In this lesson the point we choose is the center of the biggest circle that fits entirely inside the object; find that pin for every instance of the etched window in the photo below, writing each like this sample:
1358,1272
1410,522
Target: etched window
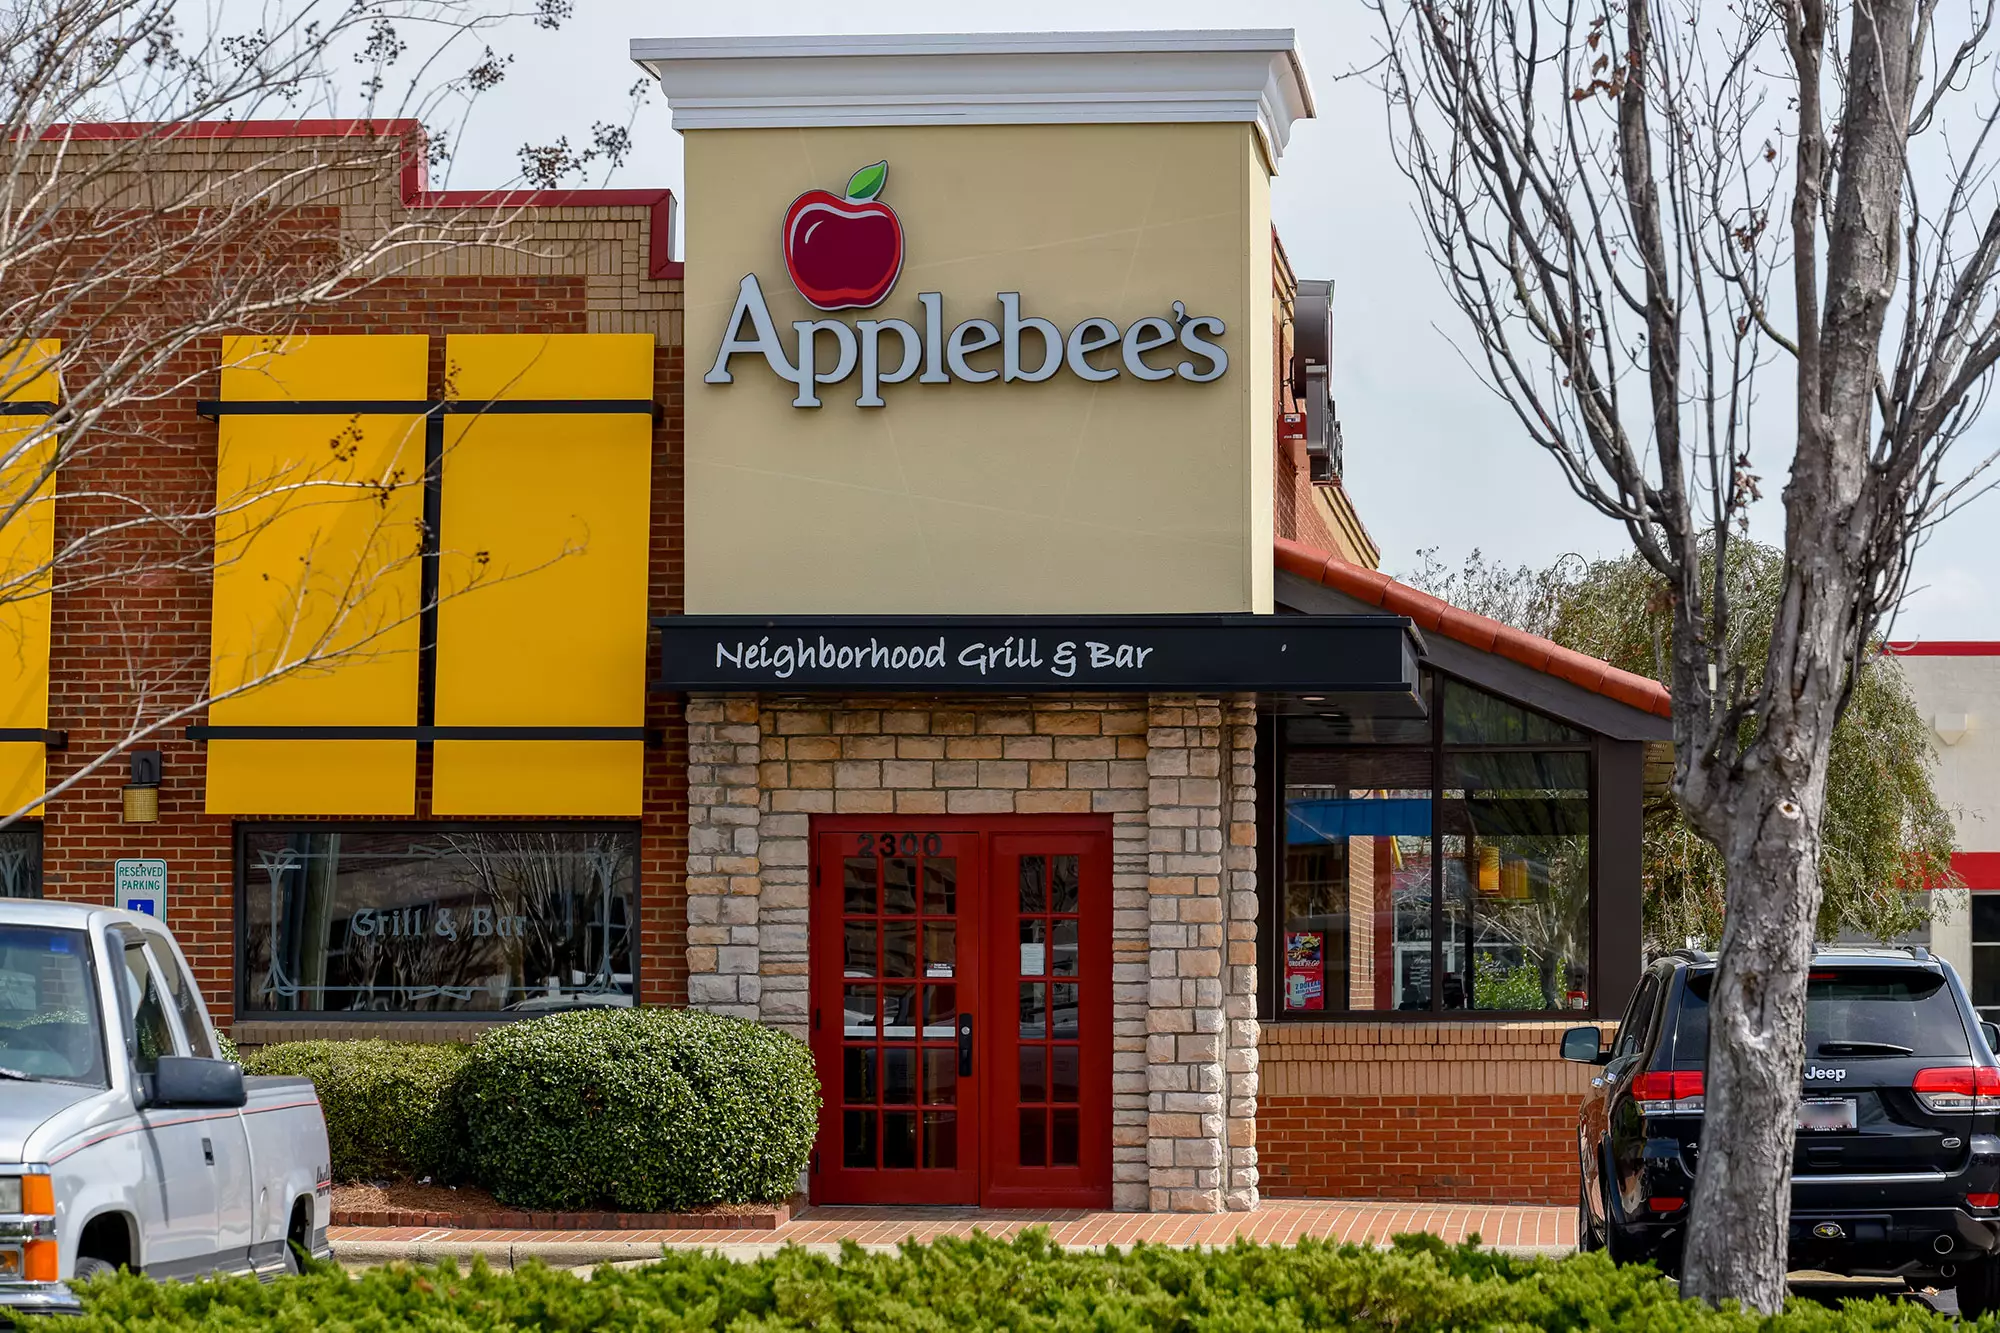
21,861
436,920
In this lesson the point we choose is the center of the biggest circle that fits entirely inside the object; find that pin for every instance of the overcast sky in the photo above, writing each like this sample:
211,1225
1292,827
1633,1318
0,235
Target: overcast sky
1433,460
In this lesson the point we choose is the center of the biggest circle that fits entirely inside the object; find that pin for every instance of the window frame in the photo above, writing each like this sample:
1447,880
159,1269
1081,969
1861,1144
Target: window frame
245,1013
173,967
120,938
1272,862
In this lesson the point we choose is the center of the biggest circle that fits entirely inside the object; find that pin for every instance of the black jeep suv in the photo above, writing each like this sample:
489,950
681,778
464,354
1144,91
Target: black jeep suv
1896,1168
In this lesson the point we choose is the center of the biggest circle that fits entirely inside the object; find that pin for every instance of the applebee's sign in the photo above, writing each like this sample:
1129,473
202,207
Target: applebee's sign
845,252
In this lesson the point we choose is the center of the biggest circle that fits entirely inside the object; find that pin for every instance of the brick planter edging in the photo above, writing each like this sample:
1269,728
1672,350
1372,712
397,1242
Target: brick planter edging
768,1219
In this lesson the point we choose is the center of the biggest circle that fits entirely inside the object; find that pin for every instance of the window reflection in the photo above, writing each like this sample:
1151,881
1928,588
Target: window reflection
1357,908
21,861
1485,817
437,919
1516,849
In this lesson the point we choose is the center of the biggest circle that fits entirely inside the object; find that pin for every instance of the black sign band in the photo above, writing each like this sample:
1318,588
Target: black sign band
1348,655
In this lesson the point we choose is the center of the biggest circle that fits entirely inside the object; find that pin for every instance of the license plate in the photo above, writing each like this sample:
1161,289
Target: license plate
1831,1114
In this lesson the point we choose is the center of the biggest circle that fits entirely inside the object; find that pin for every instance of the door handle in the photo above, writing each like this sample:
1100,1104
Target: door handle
965,1045
208,1151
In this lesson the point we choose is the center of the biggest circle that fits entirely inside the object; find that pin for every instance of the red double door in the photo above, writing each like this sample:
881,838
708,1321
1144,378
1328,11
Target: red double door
961,1011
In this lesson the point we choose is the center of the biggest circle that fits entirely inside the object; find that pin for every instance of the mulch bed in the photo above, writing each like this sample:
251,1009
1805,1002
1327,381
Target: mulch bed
405,1203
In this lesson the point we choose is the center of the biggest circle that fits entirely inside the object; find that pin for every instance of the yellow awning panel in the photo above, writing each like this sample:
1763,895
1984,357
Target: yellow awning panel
318,575
542,618
27,553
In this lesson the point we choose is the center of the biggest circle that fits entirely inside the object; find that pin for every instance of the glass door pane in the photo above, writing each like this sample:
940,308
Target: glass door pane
1047,899
886,915
1050,983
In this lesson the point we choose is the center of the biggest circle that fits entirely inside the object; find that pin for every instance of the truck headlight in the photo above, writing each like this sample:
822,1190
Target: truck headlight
32,1196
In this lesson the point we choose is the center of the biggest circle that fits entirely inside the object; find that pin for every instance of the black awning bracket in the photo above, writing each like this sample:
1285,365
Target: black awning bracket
212,408
54,740
422,735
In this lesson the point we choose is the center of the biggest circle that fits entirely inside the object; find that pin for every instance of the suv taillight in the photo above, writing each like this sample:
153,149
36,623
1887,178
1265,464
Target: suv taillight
1677,1092
1959,1088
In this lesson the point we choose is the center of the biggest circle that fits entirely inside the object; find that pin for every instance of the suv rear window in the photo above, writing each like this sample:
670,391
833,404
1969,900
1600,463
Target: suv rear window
1856,1012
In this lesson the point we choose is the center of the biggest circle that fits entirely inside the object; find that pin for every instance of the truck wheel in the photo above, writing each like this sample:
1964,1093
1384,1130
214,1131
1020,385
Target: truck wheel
86,1269
1978,1288
298,1237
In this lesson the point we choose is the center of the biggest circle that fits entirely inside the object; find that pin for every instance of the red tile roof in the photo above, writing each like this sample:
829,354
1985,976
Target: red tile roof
1482,632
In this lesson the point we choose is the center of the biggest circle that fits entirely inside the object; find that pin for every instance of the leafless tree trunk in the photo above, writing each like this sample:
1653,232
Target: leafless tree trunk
136,249
1641,208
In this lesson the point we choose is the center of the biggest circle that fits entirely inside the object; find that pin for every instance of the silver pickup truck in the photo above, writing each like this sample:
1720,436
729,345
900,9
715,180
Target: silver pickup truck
124,1139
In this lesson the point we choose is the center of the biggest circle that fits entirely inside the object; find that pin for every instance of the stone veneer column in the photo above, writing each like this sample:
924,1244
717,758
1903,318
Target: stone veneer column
724,872
1240,975
1187,1139
1174,777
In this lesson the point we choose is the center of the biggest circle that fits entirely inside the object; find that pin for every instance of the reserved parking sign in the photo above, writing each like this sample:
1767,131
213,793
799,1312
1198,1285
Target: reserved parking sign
141,886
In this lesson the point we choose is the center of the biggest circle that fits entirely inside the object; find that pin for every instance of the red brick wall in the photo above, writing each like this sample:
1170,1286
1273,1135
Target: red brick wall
1485,1149
1483,1111
131,630
663,836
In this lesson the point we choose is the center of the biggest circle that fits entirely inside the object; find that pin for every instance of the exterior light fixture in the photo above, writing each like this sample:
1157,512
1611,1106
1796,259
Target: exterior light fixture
1951,727
142,794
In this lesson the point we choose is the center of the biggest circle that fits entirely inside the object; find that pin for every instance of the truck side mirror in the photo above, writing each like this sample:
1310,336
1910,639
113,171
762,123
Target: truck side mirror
1992,1035
186,1080
1581,1045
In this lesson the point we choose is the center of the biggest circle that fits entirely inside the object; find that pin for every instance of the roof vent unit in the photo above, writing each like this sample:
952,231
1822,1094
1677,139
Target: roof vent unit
1312,371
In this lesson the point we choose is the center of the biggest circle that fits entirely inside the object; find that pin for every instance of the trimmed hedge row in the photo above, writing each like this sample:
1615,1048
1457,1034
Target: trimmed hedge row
389,1104
980,1283
640,1110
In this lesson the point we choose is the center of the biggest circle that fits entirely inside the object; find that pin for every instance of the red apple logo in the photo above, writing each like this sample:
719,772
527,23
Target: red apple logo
844,254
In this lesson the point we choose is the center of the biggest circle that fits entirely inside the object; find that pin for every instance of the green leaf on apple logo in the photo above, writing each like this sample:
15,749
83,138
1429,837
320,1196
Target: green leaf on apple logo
868,182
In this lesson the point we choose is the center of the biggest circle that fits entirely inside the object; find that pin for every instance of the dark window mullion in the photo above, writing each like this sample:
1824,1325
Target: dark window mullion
1437,854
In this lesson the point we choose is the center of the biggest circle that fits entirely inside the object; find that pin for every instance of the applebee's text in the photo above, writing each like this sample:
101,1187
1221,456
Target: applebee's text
783,658
827,351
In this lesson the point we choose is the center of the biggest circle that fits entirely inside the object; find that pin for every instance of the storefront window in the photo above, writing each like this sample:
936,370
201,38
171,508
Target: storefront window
21,861
1474,717
1357,895
433,920
1986,954
1449,876
1516,858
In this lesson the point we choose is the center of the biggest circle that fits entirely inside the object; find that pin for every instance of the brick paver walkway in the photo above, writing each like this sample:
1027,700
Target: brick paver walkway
1283,1220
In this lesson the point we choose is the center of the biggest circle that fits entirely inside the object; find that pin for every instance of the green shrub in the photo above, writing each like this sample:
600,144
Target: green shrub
980,1283
389,1104
638,1109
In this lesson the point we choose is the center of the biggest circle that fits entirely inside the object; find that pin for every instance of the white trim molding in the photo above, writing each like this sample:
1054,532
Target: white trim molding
1249,75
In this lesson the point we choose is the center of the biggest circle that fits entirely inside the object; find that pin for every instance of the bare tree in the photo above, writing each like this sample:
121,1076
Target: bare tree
1641,207
139,225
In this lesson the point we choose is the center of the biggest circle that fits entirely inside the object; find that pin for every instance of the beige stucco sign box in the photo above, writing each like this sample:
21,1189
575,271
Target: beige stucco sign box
975,314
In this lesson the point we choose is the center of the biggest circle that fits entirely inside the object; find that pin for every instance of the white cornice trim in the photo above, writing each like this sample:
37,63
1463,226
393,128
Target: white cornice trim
1253,76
